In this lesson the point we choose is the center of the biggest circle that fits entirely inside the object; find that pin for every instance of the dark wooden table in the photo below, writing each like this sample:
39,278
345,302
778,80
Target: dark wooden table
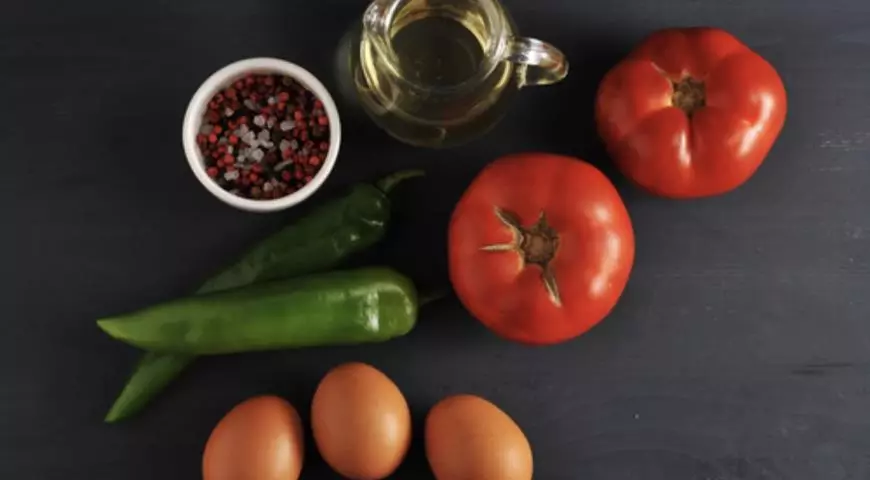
741,349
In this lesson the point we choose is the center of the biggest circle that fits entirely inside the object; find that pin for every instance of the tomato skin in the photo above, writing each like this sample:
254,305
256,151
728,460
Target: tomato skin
720,146
591,264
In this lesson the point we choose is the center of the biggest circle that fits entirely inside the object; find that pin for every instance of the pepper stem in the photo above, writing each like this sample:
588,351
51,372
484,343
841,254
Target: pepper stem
430,297
388,183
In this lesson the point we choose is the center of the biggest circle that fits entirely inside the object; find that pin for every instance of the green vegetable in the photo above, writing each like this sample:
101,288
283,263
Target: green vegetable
153,373
319,241
335,308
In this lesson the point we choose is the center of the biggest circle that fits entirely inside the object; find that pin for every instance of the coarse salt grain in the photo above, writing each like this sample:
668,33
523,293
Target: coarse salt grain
281,165
260,121
287,125
264,136
257,154
284,145
267,187
230,176
249,104
228,112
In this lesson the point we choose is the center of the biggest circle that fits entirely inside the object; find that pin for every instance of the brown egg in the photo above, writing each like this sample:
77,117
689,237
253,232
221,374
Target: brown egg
468,438
259,439
361,422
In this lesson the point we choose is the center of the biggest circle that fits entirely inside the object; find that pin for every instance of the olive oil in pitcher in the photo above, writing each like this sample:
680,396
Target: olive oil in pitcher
439,73
437,51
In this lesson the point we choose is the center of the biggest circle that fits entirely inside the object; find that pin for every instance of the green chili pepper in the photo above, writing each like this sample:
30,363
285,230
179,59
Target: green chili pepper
319,240
335,308
316,242
153,373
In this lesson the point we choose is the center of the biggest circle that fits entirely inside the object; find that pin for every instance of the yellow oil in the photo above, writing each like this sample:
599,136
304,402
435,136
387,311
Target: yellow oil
442,89
437,51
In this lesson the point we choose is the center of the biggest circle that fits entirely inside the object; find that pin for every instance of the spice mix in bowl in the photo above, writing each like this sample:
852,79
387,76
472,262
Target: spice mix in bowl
262,134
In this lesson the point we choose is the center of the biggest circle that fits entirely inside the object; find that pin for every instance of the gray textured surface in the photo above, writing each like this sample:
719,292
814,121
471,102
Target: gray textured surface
741,349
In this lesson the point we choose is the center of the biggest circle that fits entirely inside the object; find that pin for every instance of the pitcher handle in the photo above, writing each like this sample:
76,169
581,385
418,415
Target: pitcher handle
542,63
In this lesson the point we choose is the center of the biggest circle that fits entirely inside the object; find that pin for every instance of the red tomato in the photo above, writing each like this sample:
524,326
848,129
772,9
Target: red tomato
691,112
540,247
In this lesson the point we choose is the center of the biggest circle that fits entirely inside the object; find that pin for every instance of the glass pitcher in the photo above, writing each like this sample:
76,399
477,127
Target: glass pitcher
438,73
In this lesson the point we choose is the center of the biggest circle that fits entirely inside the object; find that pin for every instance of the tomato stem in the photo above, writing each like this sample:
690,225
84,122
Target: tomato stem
536,244
539,242
689,95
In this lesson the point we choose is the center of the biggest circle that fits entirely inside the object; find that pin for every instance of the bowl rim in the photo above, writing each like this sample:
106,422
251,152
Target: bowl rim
221,79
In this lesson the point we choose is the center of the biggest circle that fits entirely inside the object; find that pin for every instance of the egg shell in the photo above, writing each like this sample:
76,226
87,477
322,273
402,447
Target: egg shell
467,437
361,422
259,439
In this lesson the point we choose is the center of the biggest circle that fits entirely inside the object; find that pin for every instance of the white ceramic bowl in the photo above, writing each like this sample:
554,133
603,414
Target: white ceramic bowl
222,79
